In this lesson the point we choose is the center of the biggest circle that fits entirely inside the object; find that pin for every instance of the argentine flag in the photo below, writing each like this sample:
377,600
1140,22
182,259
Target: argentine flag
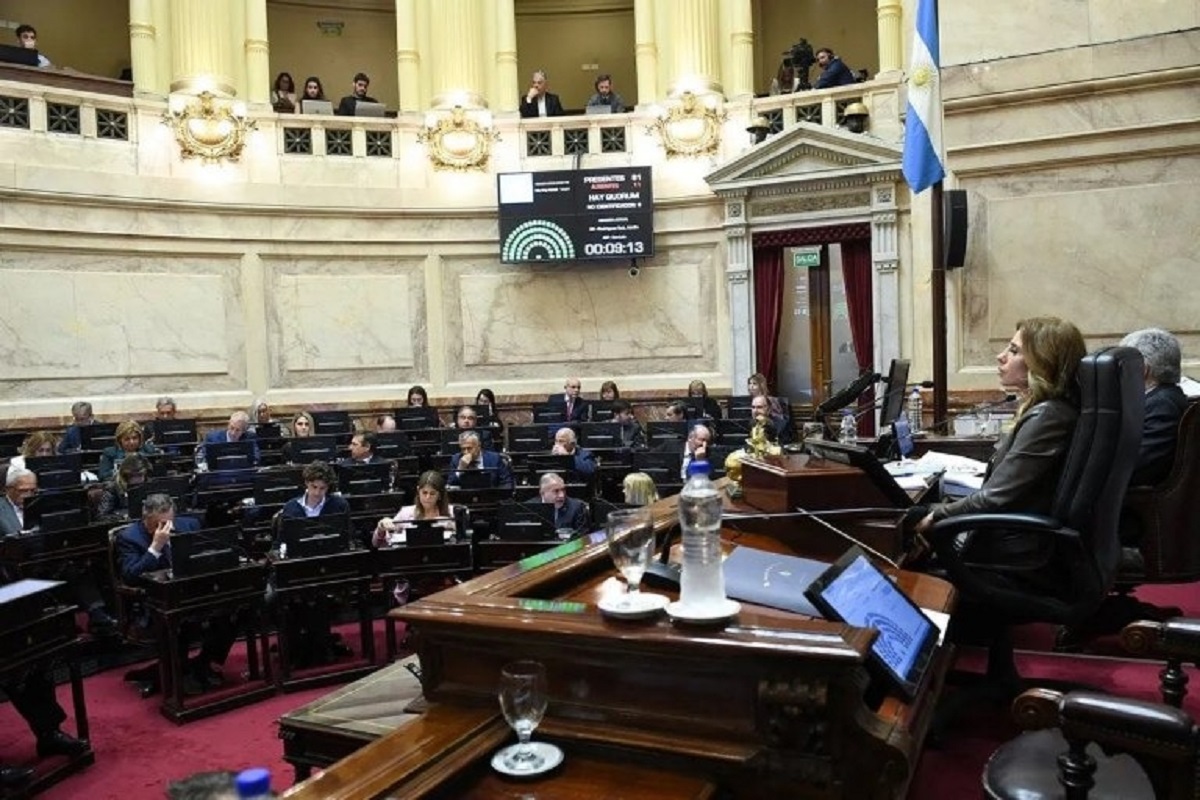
923,123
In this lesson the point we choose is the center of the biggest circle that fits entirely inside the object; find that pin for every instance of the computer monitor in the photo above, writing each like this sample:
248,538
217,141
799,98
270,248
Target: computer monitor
474,479
173,433
97,436
528,438
414,417
364,478
205,551
178,487
894,394
602,410
739,406
424,532
277,486
364,109
662,467
268,432
316,107
308,449
331,423
595,435
306,537
56,472
659,430
11,441
549,413
221,456
735,429
58,510
11,54
550,462
694,406
525,522
392,444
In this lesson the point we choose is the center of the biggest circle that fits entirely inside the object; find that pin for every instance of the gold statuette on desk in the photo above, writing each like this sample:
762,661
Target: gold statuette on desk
757,445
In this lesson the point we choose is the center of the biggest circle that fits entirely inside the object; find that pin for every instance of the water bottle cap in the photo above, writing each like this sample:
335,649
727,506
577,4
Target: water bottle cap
255,782
698,467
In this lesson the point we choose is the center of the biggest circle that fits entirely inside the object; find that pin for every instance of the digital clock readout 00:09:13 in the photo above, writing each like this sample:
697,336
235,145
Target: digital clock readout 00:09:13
614,248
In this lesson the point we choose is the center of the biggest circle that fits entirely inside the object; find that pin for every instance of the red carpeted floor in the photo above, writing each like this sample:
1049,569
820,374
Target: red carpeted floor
138,751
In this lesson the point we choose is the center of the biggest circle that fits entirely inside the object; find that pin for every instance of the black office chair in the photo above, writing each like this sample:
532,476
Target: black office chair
1082,523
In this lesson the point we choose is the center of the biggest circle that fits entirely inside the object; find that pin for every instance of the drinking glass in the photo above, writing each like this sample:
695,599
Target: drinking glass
630,538
523,701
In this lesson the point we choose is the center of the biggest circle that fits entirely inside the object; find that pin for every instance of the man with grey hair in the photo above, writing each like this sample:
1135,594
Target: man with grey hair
237,430
472,456
81,415
583,460
538,102
164,408
569,514
1165,403
19,486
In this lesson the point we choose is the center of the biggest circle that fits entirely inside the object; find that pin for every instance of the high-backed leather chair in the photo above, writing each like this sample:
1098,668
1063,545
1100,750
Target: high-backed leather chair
1088,745
1082,524
132,619
1161,526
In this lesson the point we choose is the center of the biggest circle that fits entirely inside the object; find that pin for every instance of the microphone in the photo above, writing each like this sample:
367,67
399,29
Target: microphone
849,393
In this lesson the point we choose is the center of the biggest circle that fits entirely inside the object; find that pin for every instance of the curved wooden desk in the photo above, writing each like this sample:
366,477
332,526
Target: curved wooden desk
770,704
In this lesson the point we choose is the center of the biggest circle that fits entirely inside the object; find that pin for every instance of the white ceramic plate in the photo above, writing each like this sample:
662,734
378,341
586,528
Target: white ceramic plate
714,612
642,604
551,755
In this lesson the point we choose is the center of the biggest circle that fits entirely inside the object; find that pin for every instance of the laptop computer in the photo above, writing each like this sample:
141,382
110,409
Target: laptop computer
12,54
362,109
597,110
857,592
316,107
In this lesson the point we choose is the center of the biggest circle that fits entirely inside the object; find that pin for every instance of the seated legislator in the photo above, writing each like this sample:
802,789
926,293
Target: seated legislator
20,485
569,514
538,102
632,435
712,409
33,696
776,426
129,440
1040,363
113,505
347,105
605,96
145,546
362,450
1165,403
676,412
40,444
487,397
609,391
565,444
302,427
431,504
316,501
699,439
237,430
471,456
466,419
417,397
576,409
82,416
385,423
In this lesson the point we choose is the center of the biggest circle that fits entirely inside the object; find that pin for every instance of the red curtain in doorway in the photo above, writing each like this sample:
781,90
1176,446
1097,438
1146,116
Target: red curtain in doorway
768,307
856,274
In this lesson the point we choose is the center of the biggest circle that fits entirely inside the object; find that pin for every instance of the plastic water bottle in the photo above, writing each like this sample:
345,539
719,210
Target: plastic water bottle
914,410
253,784
848,432
702,583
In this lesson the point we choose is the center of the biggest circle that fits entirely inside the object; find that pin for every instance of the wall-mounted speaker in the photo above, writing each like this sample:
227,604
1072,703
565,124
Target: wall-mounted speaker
954,224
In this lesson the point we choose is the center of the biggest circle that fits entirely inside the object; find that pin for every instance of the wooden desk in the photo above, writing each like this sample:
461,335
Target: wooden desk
770,704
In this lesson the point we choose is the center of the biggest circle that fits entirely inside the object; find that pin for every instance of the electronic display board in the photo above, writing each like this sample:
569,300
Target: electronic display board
576,215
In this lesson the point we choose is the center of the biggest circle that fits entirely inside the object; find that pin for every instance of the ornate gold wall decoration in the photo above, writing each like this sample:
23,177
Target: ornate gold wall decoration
690,127
457,141
208,129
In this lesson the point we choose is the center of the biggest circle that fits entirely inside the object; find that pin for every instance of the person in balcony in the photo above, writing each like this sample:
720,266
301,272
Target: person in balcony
27,36
605,96
834,71
538,102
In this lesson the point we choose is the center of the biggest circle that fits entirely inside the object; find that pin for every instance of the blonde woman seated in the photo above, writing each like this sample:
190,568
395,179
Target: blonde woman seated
130,439
639,489
39,444
302,427
431,504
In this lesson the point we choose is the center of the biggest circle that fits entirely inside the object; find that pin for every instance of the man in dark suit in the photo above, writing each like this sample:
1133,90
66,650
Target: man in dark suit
19,485
777,427
575,408
696,447
538,102
472,456
81,414
362,450
145,546
1165,403
236,431
632,435
569,513
466,419
565,444
348,105
833,71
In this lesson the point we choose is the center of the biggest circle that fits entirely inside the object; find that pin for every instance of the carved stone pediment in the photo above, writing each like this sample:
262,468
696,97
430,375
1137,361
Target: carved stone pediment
805,158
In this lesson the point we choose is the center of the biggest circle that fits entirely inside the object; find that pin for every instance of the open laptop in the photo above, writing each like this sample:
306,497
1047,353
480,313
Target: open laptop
11,54
597,110
362,109
316,107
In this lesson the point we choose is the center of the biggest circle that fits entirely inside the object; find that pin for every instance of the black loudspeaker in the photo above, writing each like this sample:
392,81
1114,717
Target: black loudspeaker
954,223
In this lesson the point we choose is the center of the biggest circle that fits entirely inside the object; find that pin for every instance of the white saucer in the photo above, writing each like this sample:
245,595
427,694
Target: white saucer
714,612
624,606
551,754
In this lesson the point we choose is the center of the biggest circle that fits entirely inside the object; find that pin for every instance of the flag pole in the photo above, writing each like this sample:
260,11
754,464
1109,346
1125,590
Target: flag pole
937,287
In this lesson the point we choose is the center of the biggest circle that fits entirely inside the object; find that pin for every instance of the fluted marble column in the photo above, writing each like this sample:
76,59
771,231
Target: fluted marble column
737,30
456,53
143,41
646,51
888,14
202,49
508,82
163,48
408,56
258,53
695,47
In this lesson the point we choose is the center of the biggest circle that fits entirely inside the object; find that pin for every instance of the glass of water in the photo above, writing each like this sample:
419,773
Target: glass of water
630,538
523,700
